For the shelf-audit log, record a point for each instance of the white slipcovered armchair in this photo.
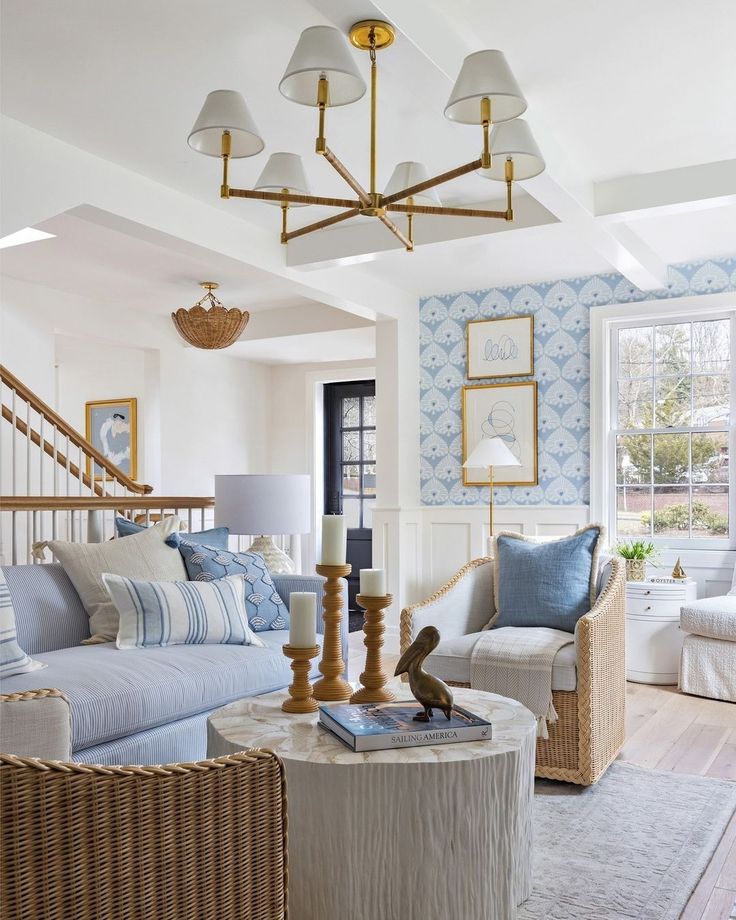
(708, 660)
(588, 678)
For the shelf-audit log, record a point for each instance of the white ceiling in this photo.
(624, 89)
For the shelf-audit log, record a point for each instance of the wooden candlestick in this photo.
(332, 688)
(373, 678)
(300, 691)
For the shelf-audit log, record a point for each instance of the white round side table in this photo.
(653, 636)
(428, 833)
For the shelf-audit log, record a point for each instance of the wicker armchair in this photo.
(590, 730)
(193, 841)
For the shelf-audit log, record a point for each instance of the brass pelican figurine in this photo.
(430, 692)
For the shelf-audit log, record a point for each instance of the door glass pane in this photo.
(369, 479)
(633, 511)
(351, 510)
(710, 457)
(351, 412)
(671, 458)
(368, 514)
(710, 511)
(711, 400)
(351, 479)
(672, 512)
(633, 458)
(672, 405)
(369, 411)
(369, 445)
(712, 347)
(635, 403)
(351, 445)
(672, 349)
(635, 352)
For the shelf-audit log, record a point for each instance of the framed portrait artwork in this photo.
(507, 411)
(501, 347)
(111, 427)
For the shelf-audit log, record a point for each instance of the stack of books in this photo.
(380, 726)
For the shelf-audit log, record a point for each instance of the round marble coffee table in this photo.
(428, 833)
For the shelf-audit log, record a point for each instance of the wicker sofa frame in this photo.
(189, 841)
(590, 730)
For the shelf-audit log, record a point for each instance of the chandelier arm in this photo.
(321, 224)
(390, 225)
(294, 199)
(442, 211)
(345, 173)
(430, 183)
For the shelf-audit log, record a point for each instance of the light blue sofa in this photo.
(139, 705)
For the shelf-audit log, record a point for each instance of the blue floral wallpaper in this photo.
(561, 367)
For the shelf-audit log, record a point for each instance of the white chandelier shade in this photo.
(513, 139)
(322, 52)
(407, 174)
(225, 110)
(485, 75)
(284, 171)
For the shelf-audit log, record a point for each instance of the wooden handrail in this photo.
(102, 502)
(51, 451)
(10, 380)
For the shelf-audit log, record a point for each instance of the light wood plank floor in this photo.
(667, 730)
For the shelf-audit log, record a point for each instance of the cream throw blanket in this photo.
(517, 663)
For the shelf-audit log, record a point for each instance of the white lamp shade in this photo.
(263, 504)
(491, 452)
(513, 139)
(485, 74)
(322, 52)
(225, 110)
(283, 171)
(407, 174)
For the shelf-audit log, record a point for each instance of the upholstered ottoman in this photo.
(708, 661)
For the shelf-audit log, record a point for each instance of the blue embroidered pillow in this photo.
(217, 536)
(263, 604)
(549, 584)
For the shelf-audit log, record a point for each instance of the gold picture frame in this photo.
(509, 356)
(106, 432)
(515, 405)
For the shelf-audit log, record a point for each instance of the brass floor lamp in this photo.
(487, 453)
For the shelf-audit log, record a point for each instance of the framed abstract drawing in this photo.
(111, 427)
(501, 347)
(507, 411)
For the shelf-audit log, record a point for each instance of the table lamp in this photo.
(263, 506)
(490, 452)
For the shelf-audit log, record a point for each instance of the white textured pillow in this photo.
(13, 660)
(181, 612)
(143, 555)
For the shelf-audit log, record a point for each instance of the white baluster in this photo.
(41, 455)
(14, 538)
(189, 520)
(55, 460)
(35, 535)
(54, 525)
(13, 447)
(68, 467)
(81, 473)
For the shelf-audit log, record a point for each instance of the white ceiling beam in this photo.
(308, 318)
(362, 241)
(671, 191)
(433, 34)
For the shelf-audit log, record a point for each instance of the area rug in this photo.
(632, 847)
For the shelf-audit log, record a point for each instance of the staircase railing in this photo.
(50, 487)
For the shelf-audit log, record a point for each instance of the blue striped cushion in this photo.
(159, 613)
(13, 660)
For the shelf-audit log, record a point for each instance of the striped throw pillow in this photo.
(13, 660)
(158, 613)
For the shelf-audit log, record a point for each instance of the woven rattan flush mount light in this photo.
(213, 327)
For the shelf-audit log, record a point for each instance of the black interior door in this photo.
(350, 472)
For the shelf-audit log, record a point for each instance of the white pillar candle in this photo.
(302, 619)
(373, 582)
(334, 540)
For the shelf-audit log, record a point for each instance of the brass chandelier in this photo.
(323, 74)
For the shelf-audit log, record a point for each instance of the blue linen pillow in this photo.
(216, 536)
(545, 584)
(265, 608)
(13, 660)
(160, 613)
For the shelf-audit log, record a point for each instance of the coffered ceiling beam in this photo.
(671, 191)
